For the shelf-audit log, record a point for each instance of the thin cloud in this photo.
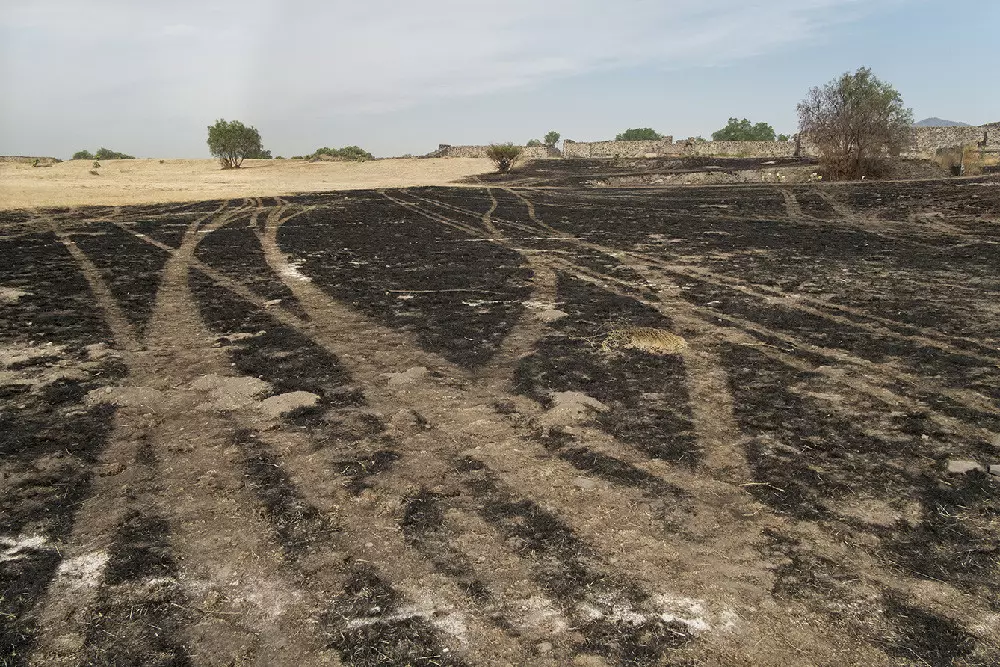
(185, 60)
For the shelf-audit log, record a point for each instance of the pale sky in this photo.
(398, 76)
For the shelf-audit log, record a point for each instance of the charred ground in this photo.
(402, 428)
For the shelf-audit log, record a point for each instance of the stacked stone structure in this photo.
(925, 142)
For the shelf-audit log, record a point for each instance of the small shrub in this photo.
(504, 156)
(279, 157)
(96, 164)
(83, 155)
(108, 154)
(346, 154)
(532, 143)
(163, 161)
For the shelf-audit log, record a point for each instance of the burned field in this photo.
(486, 426)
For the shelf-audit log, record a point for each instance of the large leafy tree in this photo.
(743, 130)
(856, 121)
(232, 142)
(639, 134)
(552, 138)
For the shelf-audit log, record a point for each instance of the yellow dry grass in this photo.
(647, 339)
(124, 182)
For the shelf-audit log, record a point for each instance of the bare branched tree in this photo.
(857, 121)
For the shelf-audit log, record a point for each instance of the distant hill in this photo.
(939, 122)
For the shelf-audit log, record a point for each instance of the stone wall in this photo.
(927, 140)
(588, 149)
(740, 148)
(667, 147)
(527, 152)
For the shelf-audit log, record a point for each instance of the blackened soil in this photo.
(646, 393)
(566, 568)
(22, 584)
(169, 231)
(474, 200)
(361, 470)
(299, 526)
(424, 528)
(957, 369)
(954, 540)
(852, 450)
(130, 267)
(806, 453)
(811, 460)
(235, 250)
(685, 220)
(49, 439)
(278, 354)
(812, 204)
(379, 637)
(579, 172)
(139, 612)
(620, 472)
(931, 639)
(460, 298)
(59, 307)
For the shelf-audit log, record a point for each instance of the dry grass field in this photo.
(554, 426)
(125, 182)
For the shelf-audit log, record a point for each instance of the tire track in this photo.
(521, 472)
(155, 407)
(922, 335)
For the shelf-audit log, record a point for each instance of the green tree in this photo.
(552, 138)
(856, 121)
(639, 134)
(743, 130)
(232, 142)
(532, 143)
(783, 137)
(504, 156)
(83, 155)
(108, 154)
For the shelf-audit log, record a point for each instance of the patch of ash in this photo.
(291, 270)
(16, 548)
(11, 294)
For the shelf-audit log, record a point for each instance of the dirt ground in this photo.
(504, 426)
(124, 182)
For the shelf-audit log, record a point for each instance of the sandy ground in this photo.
(123, 182)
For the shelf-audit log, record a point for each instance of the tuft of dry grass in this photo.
(646, 339)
